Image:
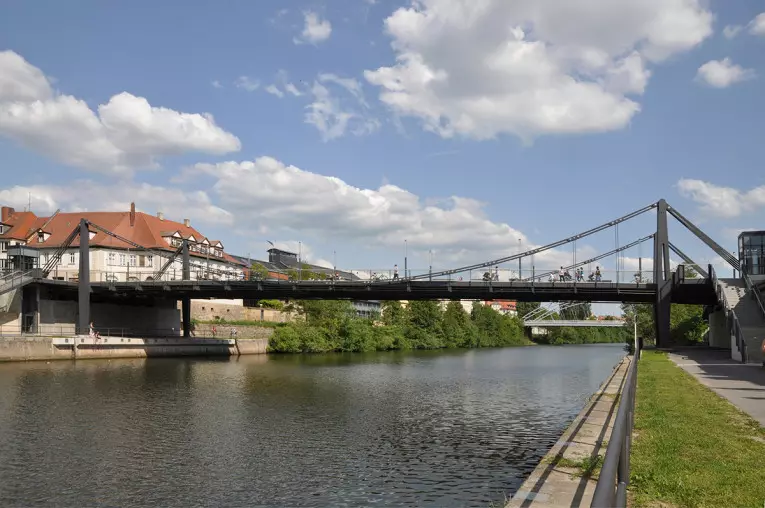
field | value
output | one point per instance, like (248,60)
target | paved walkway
(742,384)
(552,484)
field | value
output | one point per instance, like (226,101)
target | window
(150,261)
(40,237)
(3,246)
(133,258)
(123,260)
(72,260)
(111,259)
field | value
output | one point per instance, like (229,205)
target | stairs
(15,281)
(749,316)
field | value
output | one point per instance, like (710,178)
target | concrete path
(552,484)
(742,384)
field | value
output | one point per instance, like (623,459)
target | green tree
(393,313)
(459,330)
(578,311)
(524,308)
(424,324)
(259,271)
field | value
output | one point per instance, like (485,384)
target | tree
(578,311)
(424,324)
(259,271)
(393,313)
(524,308)
(459,330)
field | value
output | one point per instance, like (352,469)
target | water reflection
(457,428)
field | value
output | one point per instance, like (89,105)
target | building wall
(232,310)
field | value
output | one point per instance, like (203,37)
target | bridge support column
(719,334)
(661,277)
(186,300)
(83,288)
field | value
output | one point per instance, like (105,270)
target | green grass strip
(692,448)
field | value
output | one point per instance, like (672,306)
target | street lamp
(406,252)
(300,260)
(430,266)
(520,249)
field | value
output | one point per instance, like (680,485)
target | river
(435,428)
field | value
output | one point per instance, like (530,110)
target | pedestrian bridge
(576,323)
(661,288)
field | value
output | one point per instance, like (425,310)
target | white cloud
(723,73)
(723,202)
(291,88)
(731,31)
(216,84)
(528,68)
(126,133)
(315,29)
(757,25)
(87,195)
(274,91)
(334,117)
(247,83)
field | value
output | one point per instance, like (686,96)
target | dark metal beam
(83,290)
(719,250)
(689,261)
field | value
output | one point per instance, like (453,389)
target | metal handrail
(611,490)
(730,314)
(755,292)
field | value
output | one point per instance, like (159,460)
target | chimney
(187,223)
(132,214)
(160,216)
(7,211)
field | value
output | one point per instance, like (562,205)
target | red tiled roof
(147,230)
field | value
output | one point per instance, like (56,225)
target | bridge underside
(698,291)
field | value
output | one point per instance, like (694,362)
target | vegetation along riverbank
(691,447)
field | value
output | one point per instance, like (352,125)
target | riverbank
(567,475)
(20,349)
(691,447)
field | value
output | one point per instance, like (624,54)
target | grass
(588,467)
(691,447)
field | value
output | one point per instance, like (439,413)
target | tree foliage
(333,326)
(259,271)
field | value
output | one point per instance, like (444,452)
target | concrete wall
(57,317)
(223,331)
(161,318)
(10,312)
(719,336)
(43,348)
(233,310)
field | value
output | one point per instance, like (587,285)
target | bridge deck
(577,323)
(698,291)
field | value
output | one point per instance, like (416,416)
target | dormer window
(40,237)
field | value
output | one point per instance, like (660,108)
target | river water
(454,428)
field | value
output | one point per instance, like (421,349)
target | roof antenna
(29,206)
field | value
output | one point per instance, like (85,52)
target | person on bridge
(562,274)
(597,274)
(395,272)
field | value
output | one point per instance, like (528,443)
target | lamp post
(406,252)
(520,249)
(300,261)
(430,265)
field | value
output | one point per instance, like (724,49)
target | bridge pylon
(662,276)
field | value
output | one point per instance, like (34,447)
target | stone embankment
(567,475)
(68,348)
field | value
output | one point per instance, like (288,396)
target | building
(506,307)
(751,254)
(138,248)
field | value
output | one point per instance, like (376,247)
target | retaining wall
(14,349)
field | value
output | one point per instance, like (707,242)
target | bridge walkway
(749,316)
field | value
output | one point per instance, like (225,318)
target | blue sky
(351,126)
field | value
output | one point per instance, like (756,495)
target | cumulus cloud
(731,31)
(529,68)
(124,134)
(87,195)
(723,73)
(757,25)
(332,115)
(247,83)
(315,29)
(273,90)
(719,201)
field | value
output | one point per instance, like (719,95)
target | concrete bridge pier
(83,288)
(719,334)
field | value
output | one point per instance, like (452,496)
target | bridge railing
(223,331)
(730,315)
(611,489)
(750,285)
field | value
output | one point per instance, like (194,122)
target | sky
(449,131)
